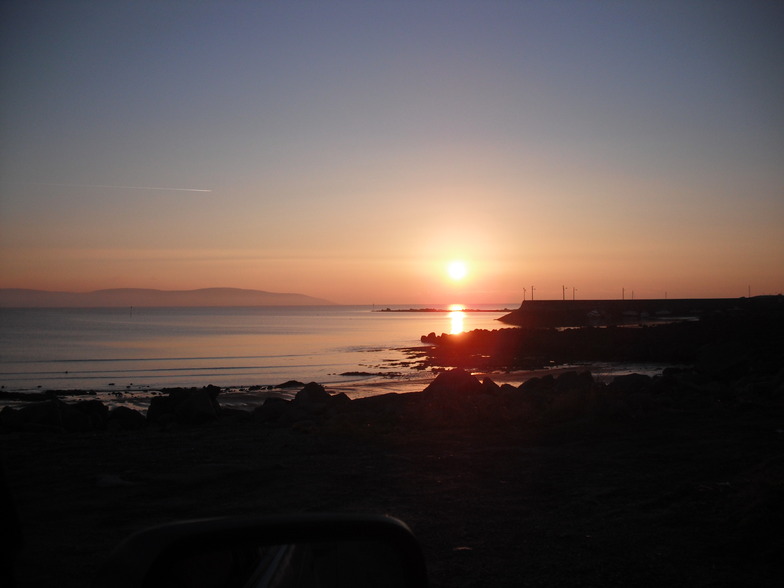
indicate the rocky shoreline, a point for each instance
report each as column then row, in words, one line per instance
column 676, row 479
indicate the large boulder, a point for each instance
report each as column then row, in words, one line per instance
column 96, row 412
column 56, row 415
column 454, row 385
column 123, row 418
column 537, row 384
column 630, row 384
column 47, row 414
column 574, row 381
column 274, row 410
column 10, row 418
column 458, row 398
column 188, row 406
column 490, row 387
column 312, row 398
column 312, row 404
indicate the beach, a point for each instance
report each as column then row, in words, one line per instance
column 567, row 479
column 665, row 490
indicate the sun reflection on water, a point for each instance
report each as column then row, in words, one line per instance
column 456, row 317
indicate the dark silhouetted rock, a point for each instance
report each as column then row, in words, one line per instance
column 55, row 414
column 96, row 412
column 490, row 387
column 196, row 408
column 454, row 384
column 123, row 418
column 44, row 414
column 189, row 406
column 630, row 383
column 573, row 381
column 161, row 410
column 312, row 398
column 10, row 418
column 339, row 400
column 291, row 384
column 273, row 410
column 537, row 384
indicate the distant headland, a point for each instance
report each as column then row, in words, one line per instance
column 119, row 297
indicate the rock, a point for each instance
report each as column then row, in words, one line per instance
column 73, row 419
column 312, row 398
column 339, row 400
column 573, row 381
column 47, row 414
column 55, row 414
column 309, row 406
column 196, row 408
column 96, row 412
column 273, row 410
column 10, row 417
column 429, row 338
column 490, row 387
column 456, row 398
column 454, row 384
column 161, row 410
column 123, row 418
column 189, row 406
column 290, row 384
column 630, row 383
column 537, row 384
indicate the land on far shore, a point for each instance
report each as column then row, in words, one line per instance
column 24, row 298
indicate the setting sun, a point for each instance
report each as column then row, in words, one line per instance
column 457, row 270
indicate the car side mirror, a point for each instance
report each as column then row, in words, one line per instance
column 297, row 551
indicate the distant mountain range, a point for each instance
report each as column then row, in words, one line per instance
column 16, row 297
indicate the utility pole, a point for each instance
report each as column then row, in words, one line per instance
column 532, row 293
column 563, row 292
column 623, row 293
column 573, row 291
column 524, row 291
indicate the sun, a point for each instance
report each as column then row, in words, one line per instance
column 457, row 270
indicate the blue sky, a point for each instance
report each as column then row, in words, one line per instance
column 352, row 149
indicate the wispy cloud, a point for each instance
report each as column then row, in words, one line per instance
column 106, row 186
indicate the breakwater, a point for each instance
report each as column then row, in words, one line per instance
column 577, row 313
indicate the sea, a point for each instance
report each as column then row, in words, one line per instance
column 125, row 356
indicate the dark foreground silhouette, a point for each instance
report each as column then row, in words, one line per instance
column 675, row 480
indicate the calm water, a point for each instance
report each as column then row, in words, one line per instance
column 148, row 348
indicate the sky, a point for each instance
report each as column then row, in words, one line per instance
column 352, row 150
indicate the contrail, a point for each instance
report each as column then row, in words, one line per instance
column 123, row 187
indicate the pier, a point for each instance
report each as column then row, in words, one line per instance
column 578, row 313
